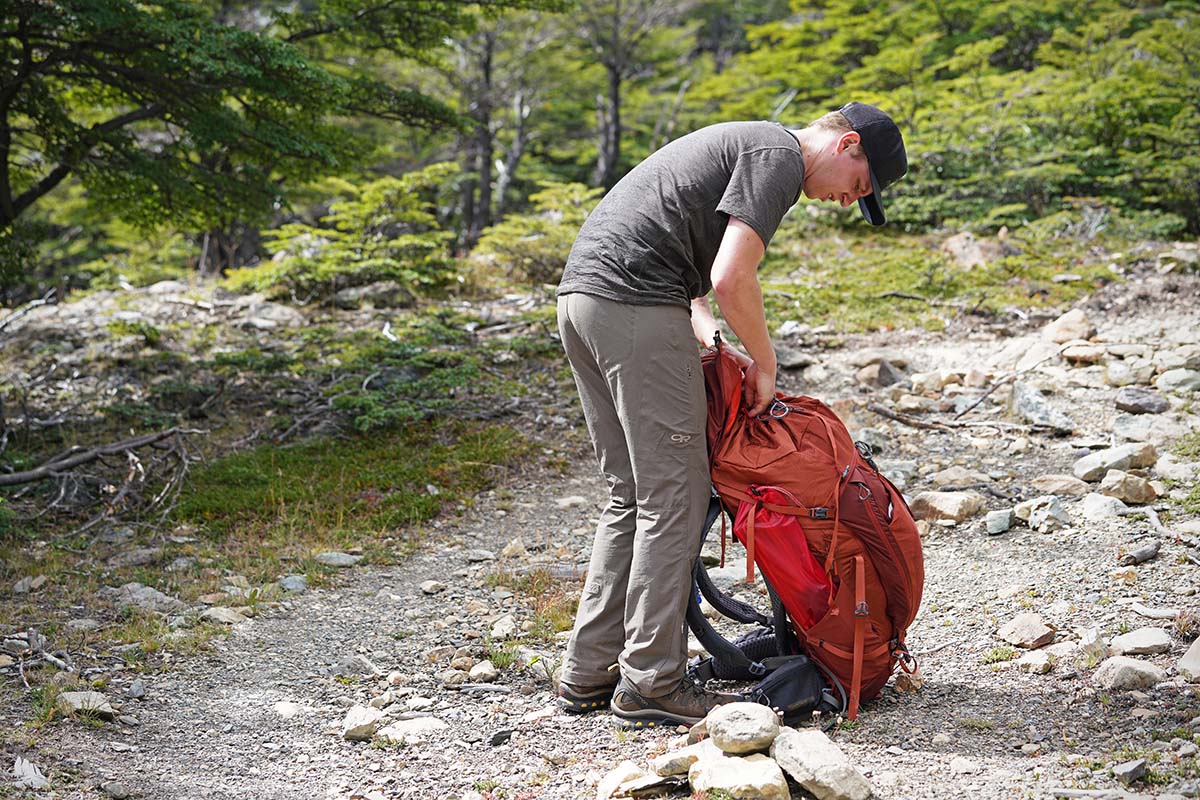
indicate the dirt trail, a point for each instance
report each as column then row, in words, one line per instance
column 211, row 727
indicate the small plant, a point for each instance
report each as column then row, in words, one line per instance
column 149, row 333
column 1123, row 627
column 502, row 654
column 998, row 654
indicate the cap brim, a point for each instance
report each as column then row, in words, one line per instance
column 872, row 205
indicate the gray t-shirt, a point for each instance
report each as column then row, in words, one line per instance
column 653, row 238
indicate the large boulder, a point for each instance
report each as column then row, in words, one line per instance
column 817, row 764
column 739, row 728
column 754, row 777
column 1125, row 673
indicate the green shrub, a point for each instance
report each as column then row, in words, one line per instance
column 533, row 247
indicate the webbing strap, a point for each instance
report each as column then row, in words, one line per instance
column 750, row 543
column 860, row 632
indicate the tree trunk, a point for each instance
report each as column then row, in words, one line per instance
column 484, row 145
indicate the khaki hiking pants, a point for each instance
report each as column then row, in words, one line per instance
column 638, row 373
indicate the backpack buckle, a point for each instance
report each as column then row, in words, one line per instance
column 860, row 610
column 818, row 513
column 758, row 669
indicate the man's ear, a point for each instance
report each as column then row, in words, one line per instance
column 846, row 139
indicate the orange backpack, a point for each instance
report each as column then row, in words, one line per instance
column 853, row 521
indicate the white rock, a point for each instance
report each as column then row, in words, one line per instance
column 678, row 762
column 341, row 560
column 622, row 773
column 1092, row 644
column 1189, row 665
column 963, row 766
column 1100, row 506
column 92, row 704
column 1039, row 662
column 571, row 501
column 1169, row 466
column 739, row 728
column 1047, row 514
column 754, row 777
column 1143, row 641
column 1072, row 325
column 1127, row 488
column 514, row 549
column 412, row 731
column 222, row 615
column 957, row 506
column 1178, row 380
column 287, row 709
column 28, row 776
column 1123, row 672
column 504, row 628
column 1095, row 466
column 360, row 723
column 817, row 764
column 433, row 587
column 484, row 672
column 1065, row 485
column 1026, row 630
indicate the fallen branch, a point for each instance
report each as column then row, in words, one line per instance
column 25, row 309
column 77, row 456
column 1156, row 524
column 1012, row 376
column 987, row 487
column 945, row 427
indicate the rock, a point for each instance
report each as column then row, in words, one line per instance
column 117, row 790
column 360, row 723
column 222, row 615
column 484, row 672
column 873, row 355
column 1141, row 401
column 464, row 663
column 1047, row 514
column 678, row 762
column 1127, row 488
column 1182, row 257
column 1072, row 325
column 381, row 294
column 999, row 521
column 23, row 586
column 1026, row 630
column 957, row 476
column 1143, row 641
column 87, row 704
column 453, row 677
column 968, row 251
column 1065, row 485
column 1084, row 353
column 514, row 549
column 1189, row 665
column 286, row 709
column 1095, row 466
column 963, row 766
column 739, row 728
column 1178, row 380
column 1170, row 467
column 622, row 773
column 436, row 654
column 504, row 628
column 791, row 358
column 143, row 597
column 1130, row 771
column 571, row 501
column 295, row 584
column 357, row 664
column 136, row 690
column 909, row 682
column 28, row 776
column 478, row 556
column 754, row 777
column 933, row 382
column 433, row 587
column 412, row 731
column 957, row 506
column 1100, row 506
column 137, row 557
column 340, row 560
column 1092, row 645
column 1123, row 673
column 817, row 764
column 1031, row 405
column 1038, row 662
column 1153, row 613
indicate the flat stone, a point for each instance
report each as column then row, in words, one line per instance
column 623, row 773
column 361, row 723
column 1189, row 665
column 357, row 664
column 295, row 584
column 1143, row 641
column 433, row 587
column 1028, row 403
column 739, row 728
column 819, row 765
column 412, row 731
column 1038, row 662
column 1127, row 488
column 1130, row 771
column 678, row 762
column 478, row 556
column 483, row 672
column 1064, row 485
column 1099, row 506
column 1084, row 353
column 1124, row 673
column 957, row 475
column 27, row 775
column 1026, row 630
column 963, row 766
column 1153, row 613
column 1178, row 380
column 753, row 777
column 222, row 615
column 1095, row 466
column 286, row 709
column 873, row 355
column 1171, row 467
column 793, row 358
column 340, row 560
column 143, row 597
column 956, row 506
column 1141, row 401
column 1072, row 325
column 88, row 704
column 571, row 501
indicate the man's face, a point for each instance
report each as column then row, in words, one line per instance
column 840, row 177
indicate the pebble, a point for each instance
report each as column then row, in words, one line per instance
column 998, row 522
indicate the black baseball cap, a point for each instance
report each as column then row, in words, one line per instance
column 886, row 159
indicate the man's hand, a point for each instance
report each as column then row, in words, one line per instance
column 758, row 389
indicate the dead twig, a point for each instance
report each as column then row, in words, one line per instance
column 905, row 419
column 25, row 309
column 77, row 456
column 1009, row 378
column 987, row 487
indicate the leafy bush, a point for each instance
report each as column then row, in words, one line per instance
column 533, row 247
column 385, row 229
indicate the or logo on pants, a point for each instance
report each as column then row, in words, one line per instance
column 681, row 438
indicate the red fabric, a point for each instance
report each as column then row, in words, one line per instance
column 782, row 555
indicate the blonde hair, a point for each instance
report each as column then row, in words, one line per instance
column 836, row 122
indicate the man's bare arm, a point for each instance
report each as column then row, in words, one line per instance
column 739, row 296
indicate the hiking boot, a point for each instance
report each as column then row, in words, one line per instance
column 686, row 705
column 584, row 699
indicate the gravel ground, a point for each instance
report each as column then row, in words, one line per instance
column 211, row 728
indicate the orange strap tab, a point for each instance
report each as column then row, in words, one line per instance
column 860, row 632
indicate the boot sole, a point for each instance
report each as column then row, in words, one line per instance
column 652, row 718
column 573, row 703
